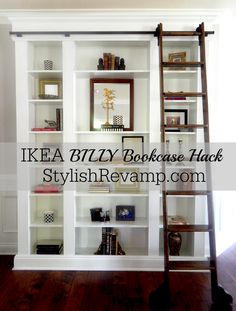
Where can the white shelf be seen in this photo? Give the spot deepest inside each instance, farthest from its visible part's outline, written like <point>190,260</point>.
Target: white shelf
<point>39,223</point>
<point>43,74</point>
<point>46,132</point>
<point>178,196</point>
<point>45,101</point>
<point>174,167</point>
<point>128,74</point>
<point>186,101</point>
<point>112,132</point>
<point>129,252</point>
<point>180,133</point>
<point>86,222</point>
<point>32,194</point>
<point>111,194</point>
<point>181,72</point>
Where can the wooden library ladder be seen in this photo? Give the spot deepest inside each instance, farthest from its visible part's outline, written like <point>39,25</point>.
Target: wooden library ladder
<point>162,293</point>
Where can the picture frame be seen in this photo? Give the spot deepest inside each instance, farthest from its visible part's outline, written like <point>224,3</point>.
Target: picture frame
<point>133,142</point>
<point>127,186</point>
<point>50,88</point>
<point>178,57</point>
<point>109,98</point>
<point>175,117</point>
<point>125,213</point>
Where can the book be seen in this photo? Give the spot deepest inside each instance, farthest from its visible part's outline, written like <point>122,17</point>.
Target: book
<point>47,188</point>
<point>59,119</point>
<point>39,129</point>
<point>49,246</point>
<point>106,61</point>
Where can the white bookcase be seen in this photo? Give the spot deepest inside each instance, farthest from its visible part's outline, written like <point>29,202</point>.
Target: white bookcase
<point>75,61</point>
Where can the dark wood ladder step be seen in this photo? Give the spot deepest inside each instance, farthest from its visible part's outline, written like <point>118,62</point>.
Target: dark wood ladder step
<point>182,64</point>
<point>190,265</point>
<point>183,94</point>
<point>189,228</point>
<point>181,192</point>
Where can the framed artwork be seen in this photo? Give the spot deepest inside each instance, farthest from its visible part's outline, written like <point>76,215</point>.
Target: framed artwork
<point>127,185</point>
<point>175,117</point>
<point>179,57</point>
<point>125,212</point>
<point>50,88</point>
<point>111,104</point>
<point>136,143</point>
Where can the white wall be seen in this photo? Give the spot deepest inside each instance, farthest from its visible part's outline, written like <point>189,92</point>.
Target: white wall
<point>104,4</point>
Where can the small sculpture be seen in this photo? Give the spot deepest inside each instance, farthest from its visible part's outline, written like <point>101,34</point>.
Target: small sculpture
<point>122,64</point>
<point>100,65</point>
<point>51,123</point>
<point>108,103</point>
<point>174,241</point>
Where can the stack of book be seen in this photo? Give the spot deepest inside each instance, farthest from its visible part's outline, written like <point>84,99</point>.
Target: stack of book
<point>46,129</point>
<point>42,188</point>
<point>53,247</point>
<point>109,244</point>
<point>112,127</point>
<point>99,187</point>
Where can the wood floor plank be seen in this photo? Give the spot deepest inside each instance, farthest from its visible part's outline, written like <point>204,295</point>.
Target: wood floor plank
<point>109,291</point>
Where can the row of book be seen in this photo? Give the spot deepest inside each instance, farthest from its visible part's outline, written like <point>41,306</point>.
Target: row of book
<point>109,244</point>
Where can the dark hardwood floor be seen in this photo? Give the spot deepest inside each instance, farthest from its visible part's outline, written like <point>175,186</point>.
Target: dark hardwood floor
<point>108,291</point>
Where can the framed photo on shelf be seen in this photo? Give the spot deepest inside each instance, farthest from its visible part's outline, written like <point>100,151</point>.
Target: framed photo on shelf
<point>179,57</point>
<point>111,104</point>
<point>50,88</point>
<point>127,184</point>
<point>125,212</point>
<point>136,143</point>
<point>175,117</point>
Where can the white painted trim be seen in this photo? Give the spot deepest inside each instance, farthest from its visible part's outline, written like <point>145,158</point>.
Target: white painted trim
<point>21,19</point>
<point>91,263</point>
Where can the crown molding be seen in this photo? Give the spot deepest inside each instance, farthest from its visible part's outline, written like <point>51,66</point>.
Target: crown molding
<point>36,19</point>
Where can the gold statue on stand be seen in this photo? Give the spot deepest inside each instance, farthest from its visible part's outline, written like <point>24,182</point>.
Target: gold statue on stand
<point>108,102</point>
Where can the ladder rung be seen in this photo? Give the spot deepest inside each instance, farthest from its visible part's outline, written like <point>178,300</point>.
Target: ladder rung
<point>192,192</point>
<point>190,265</point>
<point>182,64</point>
<point>180,33</point>
<point>179,126</point>
<point>183,94</point>
<point>189,228</point>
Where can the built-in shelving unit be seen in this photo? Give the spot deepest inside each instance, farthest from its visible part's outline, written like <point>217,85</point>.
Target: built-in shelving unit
<point>75,61</point>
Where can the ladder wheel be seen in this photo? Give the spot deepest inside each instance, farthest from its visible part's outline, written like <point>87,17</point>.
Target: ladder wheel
<point>159,299</point>
<point>221,297</point>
